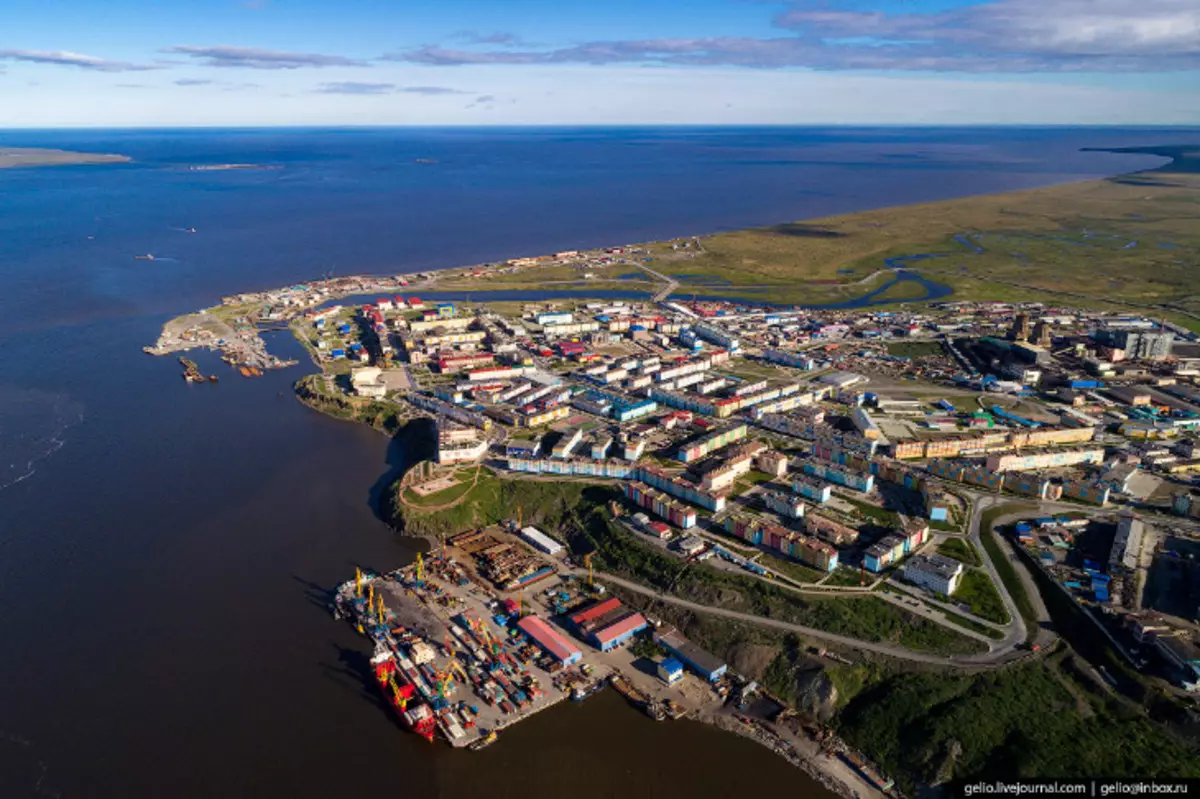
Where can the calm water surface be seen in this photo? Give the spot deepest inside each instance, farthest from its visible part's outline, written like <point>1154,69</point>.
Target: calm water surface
<point>165,548</point>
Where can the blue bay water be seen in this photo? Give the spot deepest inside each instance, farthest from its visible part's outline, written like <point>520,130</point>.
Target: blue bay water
<point>163,546</point>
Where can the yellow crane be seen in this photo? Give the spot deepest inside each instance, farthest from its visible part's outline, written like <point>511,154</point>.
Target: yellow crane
<point>420,568</point>
<point>456,668</point>
<point>491,642</point>
<point>401,702</point>
<point>370,596</point>
<point>587,559</point>
<point>358,582</point>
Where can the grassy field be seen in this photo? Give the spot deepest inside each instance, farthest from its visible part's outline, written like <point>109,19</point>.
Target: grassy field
<point>963,621</point>
<point>1128,239</point>
<point>789,568</point>
<point>914,349</point>
<point>1071,238</point>
<point>960,549</point>
<point>848,577</point>
<point>977,593</point>
<point>493,499</point>
<point>874,513</point>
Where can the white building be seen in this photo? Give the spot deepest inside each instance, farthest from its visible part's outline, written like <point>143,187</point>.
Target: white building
<point>468,452</point>
<point>937,573</point>
<point>540,540</point>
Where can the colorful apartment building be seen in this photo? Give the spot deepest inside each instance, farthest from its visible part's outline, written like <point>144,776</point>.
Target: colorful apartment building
<point>1045,460</point>
<point>696,449</point>
<point>1033,485</point>
<point>884,553</point>
<point>828,530</point>
<point>681,489</point>
<point>809,551</point>
<point>1094,493</point>
<point>843,477</point>
<point>787,505</point>
<point>660,504</point>
<point>812,490</point>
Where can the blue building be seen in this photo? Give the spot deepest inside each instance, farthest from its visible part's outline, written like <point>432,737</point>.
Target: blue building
<point>636,410</point>
<point>670,671</point>
<point>704,663</point>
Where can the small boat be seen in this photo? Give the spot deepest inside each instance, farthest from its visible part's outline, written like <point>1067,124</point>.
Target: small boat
<point>191,230</point>
<point>147,257</point>
<point>484,742</point>
<point>580,693</point>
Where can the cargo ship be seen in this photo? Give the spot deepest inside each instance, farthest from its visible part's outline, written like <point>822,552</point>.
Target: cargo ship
<point>414,714</point>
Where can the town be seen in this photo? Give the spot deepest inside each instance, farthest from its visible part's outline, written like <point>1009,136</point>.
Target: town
<point>840,453</point>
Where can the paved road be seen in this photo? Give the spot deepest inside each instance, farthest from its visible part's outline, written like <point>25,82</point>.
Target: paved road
<point>1015,632</point>
<point>982,660</point>
<point>662,294</point>
<point>1045,634</point>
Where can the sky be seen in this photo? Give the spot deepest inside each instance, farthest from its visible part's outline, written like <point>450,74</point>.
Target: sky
<point>118,63</point>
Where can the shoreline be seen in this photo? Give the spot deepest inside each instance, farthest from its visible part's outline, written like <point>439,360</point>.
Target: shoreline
<point>29,157</point>
<point>820,772</point>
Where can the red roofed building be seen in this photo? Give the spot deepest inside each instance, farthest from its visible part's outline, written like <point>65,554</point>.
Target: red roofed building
<point>659,530</point>
<point>550,642</point>
<point>594,611</point>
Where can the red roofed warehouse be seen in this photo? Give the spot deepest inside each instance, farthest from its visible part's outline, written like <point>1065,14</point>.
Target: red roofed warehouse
<point>549,641</point>
<point>595,611</point>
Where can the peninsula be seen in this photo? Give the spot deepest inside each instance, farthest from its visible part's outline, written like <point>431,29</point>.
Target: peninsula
<point>935,525</point>
<point>13,157</point>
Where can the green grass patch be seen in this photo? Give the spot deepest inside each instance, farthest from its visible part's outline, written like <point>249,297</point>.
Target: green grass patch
<point>751,479</point>
<point>960,549</point>
<point>494,499</point>
<point>849,577</point>
<point>977,593</point>
<point>1004,567</point>
<point>441,497</point>
<point>880,516</point>
<point>973,626</point>
<point>914,349</point>
<point>789,568</point>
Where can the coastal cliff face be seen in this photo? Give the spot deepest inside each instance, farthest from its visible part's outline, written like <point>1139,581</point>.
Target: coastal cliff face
<point>482,498</point>
<point>382,416</point>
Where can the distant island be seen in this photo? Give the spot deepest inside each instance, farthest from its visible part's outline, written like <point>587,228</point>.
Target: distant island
<point>37,156</point>
<point>227,167</point>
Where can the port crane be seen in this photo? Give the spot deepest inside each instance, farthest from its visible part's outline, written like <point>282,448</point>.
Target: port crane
<point>358,582</point>
<point>420,569</point>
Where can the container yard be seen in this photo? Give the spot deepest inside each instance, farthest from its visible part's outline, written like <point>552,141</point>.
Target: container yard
<point>457,660</point>
<point>443,661</point>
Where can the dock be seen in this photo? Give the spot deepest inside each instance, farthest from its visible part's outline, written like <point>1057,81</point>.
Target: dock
<point>476,676</point>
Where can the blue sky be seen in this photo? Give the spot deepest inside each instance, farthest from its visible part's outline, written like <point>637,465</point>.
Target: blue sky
<point>354,62</point>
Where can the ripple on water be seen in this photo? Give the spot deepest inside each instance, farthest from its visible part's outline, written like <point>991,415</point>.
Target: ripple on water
<point>33,426</point>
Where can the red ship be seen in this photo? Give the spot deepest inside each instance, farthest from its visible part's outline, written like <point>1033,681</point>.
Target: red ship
<point>401,694</point>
